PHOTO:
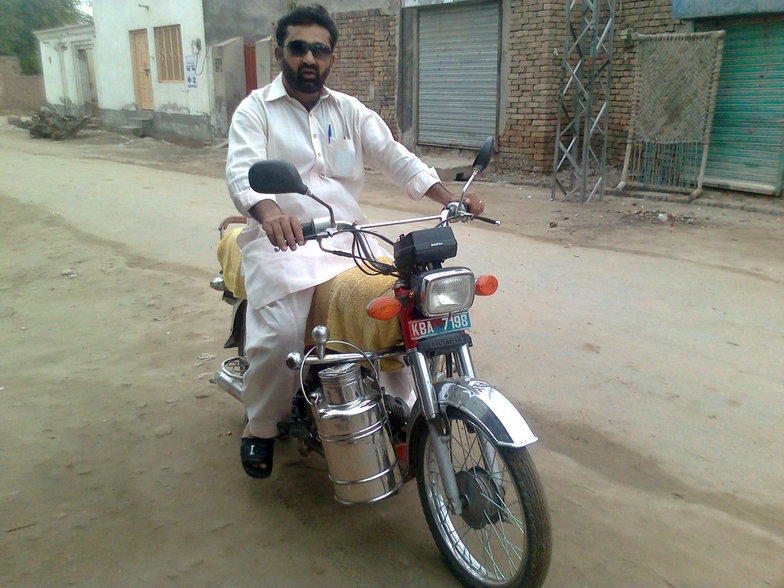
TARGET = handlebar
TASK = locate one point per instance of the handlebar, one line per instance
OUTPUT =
(318, 228)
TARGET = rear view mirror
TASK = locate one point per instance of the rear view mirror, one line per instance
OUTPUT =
(484, 155)
(275, 177)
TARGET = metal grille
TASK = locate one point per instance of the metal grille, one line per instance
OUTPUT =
(168, 50)
(458, 74)
(675, 82)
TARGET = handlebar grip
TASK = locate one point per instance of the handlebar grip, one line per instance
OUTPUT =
(309, 230)
(488, 220)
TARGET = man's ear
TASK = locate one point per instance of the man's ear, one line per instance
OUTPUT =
(278, 54)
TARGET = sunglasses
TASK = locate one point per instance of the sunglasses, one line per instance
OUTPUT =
(301, 48)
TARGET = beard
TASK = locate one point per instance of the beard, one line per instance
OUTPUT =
(307, 85)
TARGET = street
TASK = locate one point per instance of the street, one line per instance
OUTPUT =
(646, 356)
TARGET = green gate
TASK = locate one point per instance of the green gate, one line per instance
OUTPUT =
(747, 139)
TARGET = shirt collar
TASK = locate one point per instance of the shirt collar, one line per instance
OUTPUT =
(277, 90)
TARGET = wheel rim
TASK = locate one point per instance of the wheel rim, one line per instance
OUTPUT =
(489, 540)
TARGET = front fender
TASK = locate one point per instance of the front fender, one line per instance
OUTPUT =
(490, 409)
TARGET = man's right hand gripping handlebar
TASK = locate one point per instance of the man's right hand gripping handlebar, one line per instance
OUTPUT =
(283, 230)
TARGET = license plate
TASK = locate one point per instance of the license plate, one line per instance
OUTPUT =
(438, 325)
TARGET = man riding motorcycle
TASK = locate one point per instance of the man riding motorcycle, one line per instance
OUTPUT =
(329, 137)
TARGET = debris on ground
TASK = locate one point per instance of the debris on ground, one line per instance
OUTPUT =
(47, 124)
(658, 216)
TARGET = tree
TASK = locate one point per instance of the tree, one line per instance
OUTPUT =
(18, 20)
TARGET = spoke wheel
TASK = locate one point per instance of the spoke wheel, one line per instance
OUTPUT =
(502, 537)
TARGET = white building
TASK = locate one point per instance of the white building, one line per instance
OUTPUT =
(67, 65)
(180, 68)
(161, 66)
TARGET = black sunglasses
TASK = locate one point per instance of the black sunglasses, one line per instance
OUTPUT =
(301, 48)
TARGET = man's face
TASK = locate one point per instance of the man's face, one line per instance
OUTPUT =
(306, 72)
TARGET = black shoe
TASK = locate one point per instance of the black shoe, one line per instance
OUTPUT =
(256, 456)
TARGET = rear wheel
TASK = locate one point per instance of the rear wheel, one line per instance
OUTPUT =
(502, 537)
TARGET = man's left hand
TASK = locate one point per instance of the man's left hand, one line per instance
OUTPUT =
(471, 201)
(473, 204)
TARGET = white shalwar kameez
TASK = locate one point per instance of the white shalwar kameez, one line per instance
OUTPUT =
(330, 147)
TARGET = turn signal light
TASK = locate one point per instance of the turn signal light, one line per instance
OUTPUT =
(486, 285)
(384, 308)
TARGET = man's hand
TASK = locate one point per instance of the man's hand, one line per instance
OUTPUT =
(283, 230)
(473, 204)
(471, 201)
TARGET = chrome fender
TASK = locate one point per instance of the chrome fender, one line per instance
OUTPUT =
(497, 417)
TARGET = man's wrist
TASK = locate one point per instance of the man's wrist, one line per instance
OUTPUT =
(440, 194)
(263, 209)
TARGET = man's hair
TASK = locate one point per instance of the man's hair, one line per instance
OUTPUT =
(307, 15)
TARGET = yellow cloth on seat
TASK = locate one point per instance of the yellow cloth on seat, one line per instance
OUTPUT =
(340, 303)
(230, 259)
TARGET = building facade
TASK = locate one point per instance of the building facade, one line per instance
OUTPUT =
(443, 74)
(68, 69)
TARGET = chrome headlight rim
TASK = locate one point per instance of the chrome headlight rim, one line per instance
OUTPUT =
(428, 280)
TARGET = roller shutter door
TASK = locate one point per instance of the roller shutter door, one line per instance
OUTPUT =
(747, 139)
(458, 74)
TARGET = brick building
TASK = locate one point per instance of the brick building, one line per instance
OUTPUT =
(528, 41)
(379, 56)
(444, 74)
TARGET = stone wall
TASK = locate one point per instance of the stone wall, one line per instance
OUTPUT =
(18, 92)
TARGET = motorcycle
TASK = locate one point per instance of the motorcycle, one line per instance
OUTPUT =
(462, 440)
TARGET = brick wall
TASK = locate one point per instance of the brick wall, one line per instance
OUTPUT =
(535, 30)
(19, 93)
(366, 67)
(366, 60)
(527, 138)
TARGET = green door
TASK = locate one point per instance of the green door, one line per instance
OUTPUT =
(747, 139)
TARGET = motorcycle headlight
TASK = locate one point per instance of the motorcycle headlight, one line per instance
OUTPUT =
(444, 291)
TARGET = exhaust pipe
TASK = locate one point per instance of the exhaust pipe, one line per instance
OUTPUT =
(229, 376)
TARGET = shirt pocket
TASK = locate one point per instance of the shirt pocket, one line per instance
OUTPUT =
(342, 158)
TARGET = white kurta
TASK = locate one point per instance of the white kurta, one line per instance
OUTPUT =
(330, 147)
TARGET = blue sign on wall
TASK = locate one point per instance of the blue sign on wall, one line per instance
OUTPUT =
(687, 9)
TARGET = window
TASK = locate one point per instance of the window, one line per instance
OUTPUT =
(168, 50)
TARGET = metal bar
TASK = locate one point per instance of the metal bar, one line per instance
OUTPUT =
(581, 143)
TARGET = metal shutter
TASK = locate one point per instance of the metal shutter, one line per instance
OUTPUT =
(458, 74)
(747, 140)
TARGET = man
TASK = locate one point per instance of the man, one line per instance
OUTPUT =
(329, 137)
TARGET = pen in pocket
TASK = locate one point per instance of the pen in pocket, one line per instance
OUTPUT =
(329, 134)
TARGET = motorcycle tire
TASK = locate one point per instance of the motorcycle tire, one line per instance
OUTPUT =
(502, 538)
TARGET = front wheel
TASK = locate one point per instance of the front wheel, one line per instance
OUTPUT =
(502, 538)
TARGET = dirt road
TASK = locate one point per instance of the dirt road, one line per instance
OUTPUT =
(646, 355)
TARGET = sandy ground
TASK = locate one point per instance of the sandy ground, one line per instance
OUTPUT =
(646, 355)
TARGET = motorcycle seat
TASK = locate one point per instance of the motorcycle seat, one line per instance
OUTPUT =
(340, 303)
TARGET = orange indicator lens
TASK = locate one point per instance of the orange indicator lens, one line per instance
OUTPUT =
(486, 285)
(384, 308)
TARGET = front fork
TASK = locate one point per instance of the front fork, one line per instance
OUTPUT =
(437, 423)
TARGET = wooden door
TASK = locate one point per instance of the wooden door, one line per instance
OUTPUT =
(142, 76)
(250, 68)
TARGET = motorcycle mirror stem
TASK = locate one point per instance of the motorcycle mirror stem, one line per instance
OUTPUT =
(276, 176)
(480, 163)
